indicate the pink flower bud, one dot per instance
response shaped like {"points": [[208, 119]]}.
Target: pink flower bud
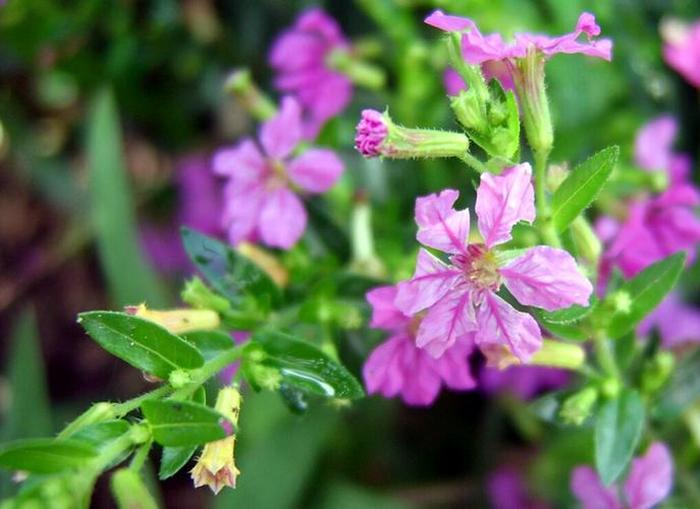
{"points": [[371, 133]]}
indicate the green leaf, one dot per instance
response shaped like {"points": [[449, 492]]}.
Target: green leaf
{"points": [[682, 390], [45, 455], [618, 429], [184, 423], [646, 291], [142, 343], [173, 459], [100, 433], [230, 273], [210, 343], [304, 366], [129, 277], [582, 186], [571, 314]]}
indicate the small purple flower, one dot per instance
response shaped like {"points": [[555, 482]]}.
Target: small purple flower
{"points": [[460, 297], [682, 49], [656, 226], [260, 198], [677, 322], [300, 57], [398, 367], [371, 133], [649, 482], [525, 382], [478, 49]]}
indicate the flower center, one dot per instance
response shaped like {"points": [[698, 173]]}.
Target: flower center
{"points": [[278, 175], [479, 267], [414, 324]]}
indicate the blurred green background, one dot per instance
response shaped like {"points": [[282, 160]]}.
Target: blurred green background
{"points": [[102, 100]]}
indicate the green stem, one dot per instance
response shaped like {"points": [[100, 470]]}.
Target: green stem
{"points": [[549, 235], [474, 163], [124, 408], [211, 368], [113, 451], [605, 356], [141, 455]]}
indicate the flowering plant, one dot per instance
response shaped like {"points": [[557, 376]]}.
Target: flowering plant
{"points": [[551, 287]]}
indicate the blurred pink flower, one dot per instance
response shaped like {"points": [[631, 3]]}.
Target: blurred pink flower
{"points": [[677, 322], [649, 482], [682, 49], [478, 49], [525, 382], [300, 57], [656, 226], [259, 197], [399, 367], [507, 490], [227, 374], [460, 297]]}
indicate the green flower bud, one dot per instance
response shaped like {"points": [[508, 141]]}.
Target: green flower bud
{"points": [[656, 372], [579, 406], [198, 295]]}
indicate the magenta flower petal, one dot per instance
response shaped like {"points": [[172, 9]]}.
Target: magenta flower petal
{"points": [[448, 320], [448, 23], [296, 50], [502, 201], [431, 281], [653, 146], [282, 133], [242, 162], [316, 170], [590, 492], [682, 49], [440, 225], [282, 218], [548, 278], [503, 330], [650, 478], [370, 134], [242, 205], [385, 315], [453, 366], [525, 382], [677, 322]]}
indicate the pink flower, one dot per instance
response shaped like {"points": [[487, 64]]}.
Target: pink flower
{"points": [[398, 367], [649, 482], [682, 49], [492, 70], [478, 49], [259, 197], [460, 297], [656, 226], [371, 133], [676, 322], [300, 57], [506, 489]]}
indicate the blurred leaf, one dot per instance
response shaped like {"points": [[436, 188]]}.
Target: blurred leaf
{"points": [[683, 389], [304, 366], [130, 492], [210, 343], [173, 459], [266, 430], [571, 314], [646, 291], [28, 413], [142, 343], [45, 455], [333, 236], [129, 278], [183, 423], [228, 272], [582, 186], [342, 495], [618, 428]]}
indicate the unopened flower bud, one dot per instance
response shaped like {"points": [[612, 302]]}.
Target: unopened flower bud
{"points": [[621, 301], [558, 354], [587, 243], [265, 261], [534, 105], [178, 321], [199, 295], [130, 492], [215, 467], [610, 388], [377, 135], [656, 372], [579, 406]]}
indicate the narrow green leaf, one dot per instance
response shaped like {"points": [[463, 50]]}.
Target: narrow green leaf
{"points": [[618, 429], [571, 314], [582, 186], [184, 423], [173, 459], [304, 366], [646, 291], [142, 343], [129, 277], [228, 272], [45, 455], [100, 433]]}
